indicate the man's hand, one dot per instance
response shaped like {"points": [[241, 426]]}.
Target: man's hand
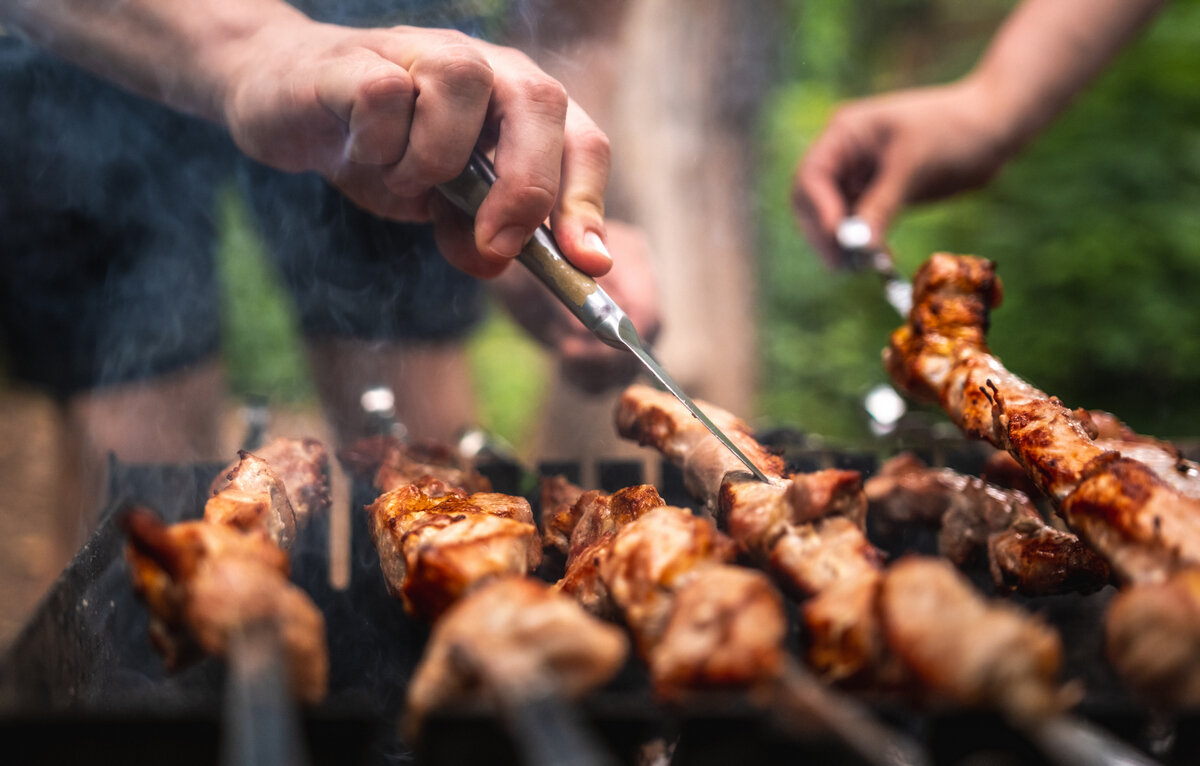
{"points": [[879, 154], [388, 114], [585, 361]]}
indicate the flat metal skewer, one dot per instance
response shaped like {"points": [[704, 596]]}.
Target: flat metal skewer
{"points": [[578, 292]]}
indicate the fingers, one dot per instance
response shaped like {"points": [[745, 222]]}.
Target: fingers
{"points": [[453, 86], [374, 99], [578, 219], [529, 111], [400, 111], [887, 194], [455, 237], [856, 167], [818, 199]]}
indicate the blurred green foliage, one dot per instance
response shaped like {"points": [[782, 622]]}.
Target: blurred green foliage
{"points": [[1095, 228], [260, 340]]}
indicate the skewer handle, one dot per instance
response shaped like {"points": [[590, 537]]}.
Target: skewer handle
{"points": [[541, 255]]}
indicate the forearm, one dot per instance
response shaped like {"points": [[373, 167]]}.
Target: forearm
{"points": [[183, 53], [1049, 50]]}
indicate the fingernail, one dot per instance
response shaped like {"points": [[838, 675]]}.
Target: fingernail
{"points": [[592, 242], [508, 242]]}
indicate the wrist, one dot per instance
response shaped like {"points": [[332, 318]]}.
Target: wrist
{"points": [[232, 47], [1008, 119]]}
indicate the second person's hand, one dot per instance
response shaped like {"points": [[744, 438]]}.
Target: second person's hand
{"points": [[879, 154]]}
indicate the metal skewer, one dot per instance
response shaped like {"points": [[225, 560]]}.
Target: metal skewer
{"points": [[599, 313]]}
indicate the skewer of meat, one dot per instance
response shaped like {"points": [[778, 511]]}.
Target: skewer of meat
{"points": [[805, 530], [460, 559], [1133, 501], [209, 582], [700, 623], [1024, 553]]}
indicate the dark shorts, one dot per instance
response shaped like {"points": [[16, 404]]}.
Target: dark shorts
{"points": [[108, 231]]}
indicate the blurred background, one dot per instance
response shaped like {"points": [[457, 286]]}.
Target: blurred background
{"points": [[1095, 228]]}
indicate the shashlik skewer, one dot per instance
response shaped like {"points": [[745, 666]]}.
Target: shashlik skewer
{"points": [[852, 592], [700, 623], [1024, 553], [1133, 500], [1143, 525], [209, 581], [881, 621], [460, 559]]}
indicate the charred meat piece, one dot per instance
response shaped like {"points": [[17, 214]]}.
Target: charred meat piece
{"points": [[436, 542], [725, 630], [514, 639], [699, 623], [919, 627], [1143, 525], [657, 419], [966, 649], [559, 512], [650, 558], [389, 463], [806, 529], [204, 583], [303, 467], [252, 497], [976, 520], [598, 519], [1152, 634]]}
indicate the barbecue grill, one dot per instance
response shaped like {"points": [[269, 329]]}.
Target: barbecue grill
{"points": [[82, 682]]}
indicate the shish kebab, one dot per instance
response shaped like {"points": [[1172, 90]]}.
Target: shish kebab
{"points": [[209, 582], [459, 559], [1133, 501], [866, 622], [700, 623], [917, 626]]}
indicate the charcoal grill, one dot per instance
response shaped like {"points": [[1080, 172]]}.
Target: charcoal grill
{"points": [[82, 684]]}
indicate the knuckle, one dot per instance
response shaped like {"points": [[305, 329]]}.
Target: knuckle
{"points": [[425, 168], [549, 94], [595, 143], [463, 67], [533, 196]]}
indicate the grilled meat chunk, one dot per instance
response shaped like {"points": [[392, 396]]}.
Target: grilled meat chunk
{"points": [[1144, 526], [1152, 634], [303, 467], [205, 582], [436, 542], [599, 518], [252, 497], [974, 518], [656, 418], [726, 629], [650, 558], [559, 513], [514, 639], [919, 627], [964, 648], [390, 463]]}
